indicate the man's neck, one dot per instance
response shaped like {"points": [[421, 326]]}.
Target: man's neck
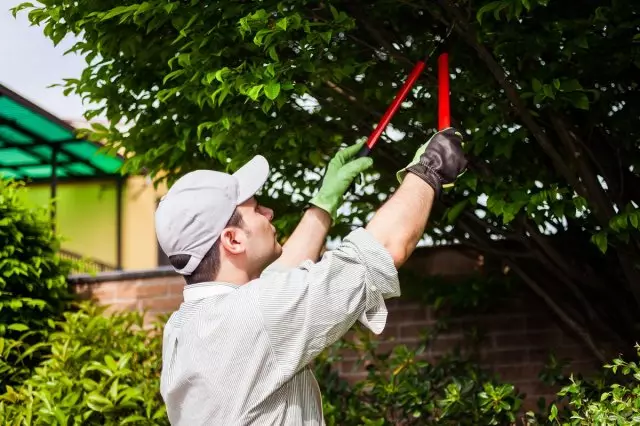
{"points": [[236, 276]]}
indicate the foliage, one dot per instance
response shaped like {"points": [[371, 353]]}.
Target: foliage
{"points": [[552, 134], [103, 370], [611, 398], [33, 286], [402, 388]]}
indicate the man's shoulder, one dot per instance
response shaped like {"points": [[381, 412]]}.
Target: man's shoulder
{"points": [[277, 270]]}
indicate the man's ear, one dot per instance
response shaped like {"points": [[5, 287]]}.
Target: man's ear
{"points": [[233, 240]]}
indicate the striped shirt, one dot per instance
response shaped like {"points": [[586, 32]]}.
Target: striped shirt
{"points": [[240, 355]]}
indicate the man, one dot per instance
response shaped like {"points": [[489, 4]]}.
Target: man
{"points": [[237, 352]]}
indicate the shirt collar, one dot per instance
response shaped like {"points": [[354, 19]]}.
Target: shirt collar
{"points": [[199, 291]]}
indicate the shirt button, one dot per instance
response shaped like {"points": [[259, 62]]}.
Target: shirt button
{"points": [[374, 288]]}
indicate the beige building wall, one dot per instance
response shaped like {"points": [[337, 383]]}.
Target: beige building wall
{"points": [[140, 246], [86, 219]]}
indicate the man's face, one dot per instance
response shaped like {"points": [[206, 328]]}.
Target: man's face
{"points": [[262, 247]]}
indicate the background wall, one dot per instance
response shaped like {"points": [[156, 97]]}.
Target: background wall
{"points": [[86, 216], [140, 245], [519, 332], [86, 219]]}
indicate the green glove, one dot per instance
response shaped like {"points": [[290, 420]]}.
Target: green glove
{"points": [[339, 175]]}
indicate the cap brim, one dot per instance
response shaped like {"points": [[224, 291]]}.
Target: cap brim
{"points": [[251, 177]]}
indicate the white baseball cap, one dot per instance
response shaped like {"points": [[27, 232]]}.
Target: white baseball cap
{"points": [[195, 210]]}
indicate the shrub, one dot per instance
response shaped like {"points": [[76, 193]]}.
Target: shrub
{"points": [[402, 388], [103, 370], [611, 398], [33, 287]]}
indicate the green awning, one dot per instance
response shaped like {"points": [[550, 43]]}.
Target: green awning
{"points": [[29, 136]]}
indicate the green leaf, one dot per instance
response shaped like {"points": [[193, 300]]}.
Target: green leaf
{"points": [[558, 209], [113, 391], [172, 75], [536, 85], [99, 127], [495, 204], [579, 100], [510, 211], [254, 92], [98, 402], [116, 11], [18, 327], [600, 240], [273, 54], [133, 419], [258, 39], [334, 12], [272, 89], [486, 9], [282, 24], [326, 36], [570, 85], [456, 210]]}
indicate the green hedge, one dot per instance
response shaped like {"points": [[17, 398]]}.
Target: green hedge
{"points": [[104, 370], [33, 287]]}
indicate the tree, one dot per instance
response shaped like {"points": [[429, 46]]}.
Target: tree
{"points": [[546, 92]]}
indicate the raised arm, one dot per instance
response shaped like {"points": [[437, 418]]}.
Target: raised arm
{"points": [[399, 224], [307, 240], [307, 308]]}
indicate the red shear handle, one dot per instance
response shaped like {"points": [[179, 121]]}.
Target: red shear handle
{"points": [[393, 108], [444, 114]]}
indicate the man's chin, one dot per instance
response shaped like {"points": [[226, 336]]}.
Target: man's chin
{"points": [[277, 251]]}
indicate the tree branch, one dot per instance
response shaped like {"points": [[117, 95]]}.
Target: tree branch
{"points": [[463, 28], [594, 191], [510, 260], [376, 34], [553, 257], [577, 328], [603, 208]]}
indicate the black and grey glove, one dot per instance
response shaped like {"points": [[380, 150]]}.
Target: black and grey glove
{"points": [[439, 162]]}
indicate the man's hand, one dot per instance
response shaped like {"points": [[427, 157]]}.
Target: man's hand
{"points": [[340, 173], [307, 240], [439, 162], [399, 224]]}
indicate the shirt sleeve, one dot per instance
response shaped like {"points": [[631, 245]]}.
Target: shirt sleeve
{"points": [[308, 308]]}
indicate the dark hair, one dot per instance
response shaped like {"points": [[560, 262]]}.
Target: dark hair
{"points": [[209, 266]]}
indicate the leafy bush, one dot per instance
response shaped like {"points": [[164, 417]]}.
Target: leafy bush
{"points": [[33, 287], [103, 370], [403, 389], [612, 398]]}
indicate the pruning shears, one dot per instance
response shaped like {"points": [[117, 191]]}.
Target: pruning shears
{"points": [[444, 113]]}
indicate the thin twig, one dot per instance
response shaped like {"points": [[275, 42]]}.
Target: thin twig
{"points": [[579, 330]]}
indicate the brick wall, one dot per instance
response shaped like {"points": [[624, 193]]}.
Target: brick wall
{"points": [[156, 292], [519, 333], [516, 342]]}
